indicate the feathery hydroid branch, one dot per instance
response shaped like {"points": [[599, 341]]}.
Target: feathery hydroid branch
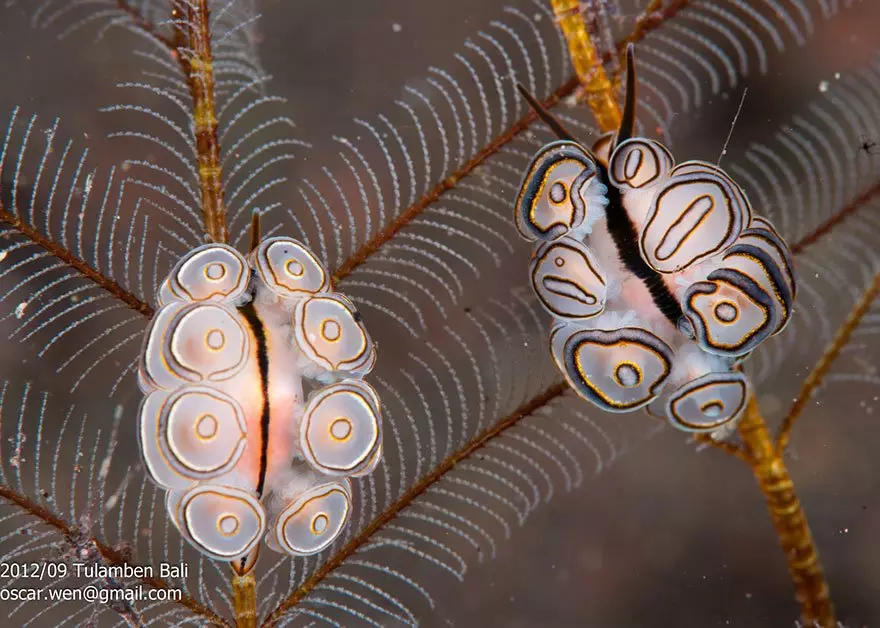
{"points": [[191, 48], [647, 22], [73, 261], [426, 482]]}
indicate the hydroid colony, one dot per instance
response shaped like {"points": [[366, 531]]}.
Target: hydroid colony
{"points": [[410, 216]]}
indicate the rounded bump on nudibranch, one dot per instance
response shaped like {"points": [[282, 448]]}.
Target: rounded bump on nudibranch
{"points": [[311, 522], [221, 521], [709, 402], [762, 254], [550, 202], [160, 470], [697, 213], [618, 370], [289, 268], [567, 280], [192, 342], [639, 163], [211, 272], [731, 314], [341, 429], [330, 332], [201, 432]]}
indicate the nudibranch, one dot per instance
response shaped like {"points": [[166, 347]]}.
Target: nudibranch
{"points": [[226, 426], [659, 277]]}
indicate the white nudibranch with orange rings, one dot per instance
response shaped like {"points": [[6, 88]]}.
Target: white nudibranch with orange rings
{"points": [[225, 425], [658, 276]]}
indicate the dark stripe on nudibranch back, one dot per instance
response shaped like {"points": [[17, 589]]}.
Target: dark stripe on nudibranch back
{"points": [[253, 319], [623, 232]]}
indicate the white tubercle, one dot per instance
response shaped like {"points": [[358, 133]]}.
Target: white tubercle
{"points": [[329, 330], [567, 280], [341, 430], [288, 268], [708, 402], [209, 272], [221, 521], [195, 433], [192, 342], [313, 520], [697, 213]]}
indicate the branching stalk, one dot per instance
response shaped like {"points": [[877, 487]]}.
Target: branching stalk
{"points": [[66, 256], [598, 90], [794, 534], [438, 473], [193, 35]]}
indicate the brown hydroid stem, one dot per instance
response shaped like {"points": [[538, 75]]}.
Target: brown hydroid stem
{"points": [[198, 65], [244, 598], [598, 90], [788, 517]]}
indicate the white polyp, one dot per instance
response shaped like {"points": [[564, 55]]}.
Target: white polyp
{"points": [[708, 402], [567, 280], [209, 272], [594, 194], [329, 331], [288, 268], [221, 521], [341, 429], [312, 521]]}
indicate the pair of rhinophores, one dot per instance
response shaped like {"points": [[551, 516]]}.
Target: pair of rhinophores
{"points": [[225, 425], [659, 277]]}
